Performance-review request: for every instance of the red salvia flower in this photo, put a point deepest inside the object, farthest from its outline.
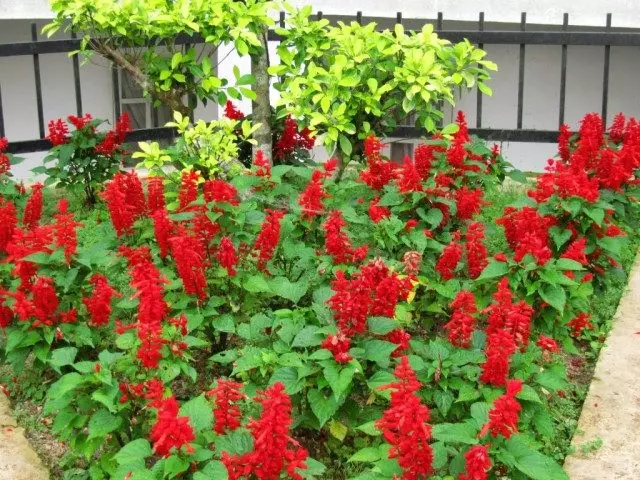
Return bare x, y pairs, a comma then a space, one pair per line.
449, 259
226, 413
477, 463
404, 425
64, 230
44, 302
125, 200
411, 261
80, 122
576, 251
548, 344
58, 132
579, 323
378, 172
423, 158
4, 144
312, 198
6, 314
616, 130
408, 177
122, 127
155, 194
232, 112
33, 208
564, 148
500, 347
274, 451
163, 229
170, 430
476, 251
188, 188
336, 240
152, 308
190, 262
99, 303
462, 322
400, 338
503, 417
8, 223
203, 228
376, 212
339, 346
263, 166
468, 202
226, 255
220, 191
286, 144
267, 240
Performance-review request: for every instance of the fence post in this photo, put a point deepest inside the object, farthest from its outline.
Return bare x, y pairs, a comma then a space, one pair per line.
523, 24
36, 73
478, 92
605, 77
76, 80
563, 73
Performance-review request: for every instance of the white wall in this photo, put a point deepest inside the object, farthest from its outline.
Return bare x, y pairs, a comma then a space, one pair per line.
542, 71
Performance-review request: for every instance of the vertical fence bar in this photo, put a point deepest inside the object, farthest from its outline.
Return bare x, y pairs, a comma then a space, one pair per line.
478, 92
605, 77
523, 25
2, 132
76, 80
563, 73
359, 17
319, 15
36, 73
115, 81
439, 22
399, 18
281, 21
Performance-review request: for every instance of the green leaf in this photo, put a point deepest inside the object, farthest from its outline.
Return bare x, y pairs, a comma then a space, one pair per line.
369, 428
554, 295
367, 454
308, 337
568, 264
134, 453
493, 270
456, 433
284, 288
532, 463
256, 284
382, 325
103, 422
345, 146
323, 407
63, 356
338, 430
339, 378
379, 351
200, 413
214, 469
443, 400
66, 383
529, 394
467, 393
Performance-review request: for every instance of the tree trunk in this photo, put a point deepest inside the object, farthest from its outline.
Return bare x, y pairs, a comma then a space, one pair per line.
262, 104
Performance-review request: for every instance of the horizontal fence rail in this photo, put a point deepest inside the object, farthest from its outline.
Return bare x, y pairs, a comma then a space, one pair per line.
563, 37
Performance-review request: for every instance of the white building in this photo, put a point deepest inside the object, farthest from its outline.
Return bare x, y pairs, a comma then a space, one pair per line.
584, 80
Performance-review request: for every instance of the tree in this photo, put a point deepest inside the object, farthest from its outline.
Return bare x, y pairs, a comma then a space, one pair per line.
153, 41
348, 80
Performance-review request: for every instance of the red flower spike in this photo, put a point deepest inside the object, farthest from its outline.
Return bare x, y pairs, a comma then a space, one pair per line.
163, 229
448, 261
155, 194
339, 346
477, 463
190, 262
99, 303
8, 223
503, 416
226, 255
274, 451
64, 230
188, 189
220, 191
475, 249
548, 344
408, 177
267, 240
462, 323
170, 430
33, 208
58, 132
312, 198
579, 323
377, 213
404, 425
232, 112
500, 347
226, 414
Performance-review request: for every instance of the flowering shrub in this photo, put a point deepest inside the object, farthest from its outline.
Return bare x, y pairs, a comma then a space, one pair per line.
262, 327
84, 158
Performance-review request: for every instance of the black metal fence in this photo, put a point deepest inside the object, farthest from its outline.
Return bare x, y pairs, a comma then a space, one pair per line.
563, 37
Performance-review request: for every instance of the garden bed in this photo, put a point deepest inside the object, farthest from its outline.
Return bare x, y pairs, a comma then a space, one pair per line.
419, 320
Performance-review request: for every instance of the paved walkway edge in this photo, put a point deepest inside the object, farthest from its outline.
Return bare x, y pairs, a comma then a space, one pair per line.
611, 411
18, 461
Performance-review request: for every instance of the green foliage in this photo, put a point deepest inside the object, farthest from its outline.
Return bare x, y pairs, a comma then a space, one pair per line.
349, 80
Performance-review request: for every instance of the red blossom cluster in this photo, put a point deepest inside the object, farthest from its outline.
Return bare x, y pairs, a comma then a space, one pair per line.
527, 232
462, 322
291, 139
505, 315
579, 323
232, 112
155, 194
170, 430
33, 208
477, 463
64, 230
378, 172
475, 250
187, 252
226, 413
267, 240
274, 451
5, 164
404, 425
188, 192
504, 415
227, 256
337, 243
220, 191
152, 308
376, 212
449, 259
312, 197
58, 132
99, 303
114, 139
125, 201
